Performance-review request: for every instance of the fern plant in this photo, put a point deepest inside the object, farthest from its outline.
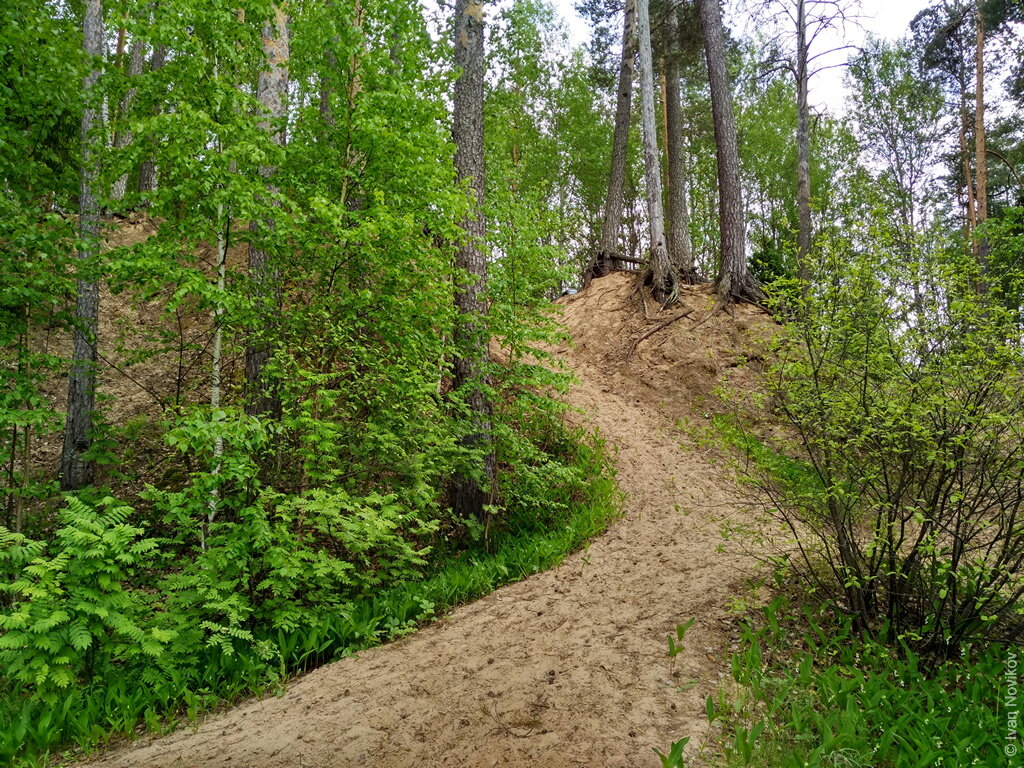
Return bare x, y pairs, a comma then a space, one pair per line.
70, 610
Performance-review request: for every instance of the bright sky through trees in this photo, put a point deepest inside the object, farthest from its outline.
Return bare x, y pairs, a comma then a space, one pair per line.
888, 19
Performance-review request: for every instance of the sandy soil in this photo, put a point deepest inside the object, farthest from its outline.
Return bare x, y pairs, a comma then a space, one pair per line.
135, 390
570, 667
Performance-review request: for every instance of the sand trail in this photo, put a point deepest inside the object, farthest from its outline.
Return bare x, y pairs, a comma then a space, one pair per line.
569, 667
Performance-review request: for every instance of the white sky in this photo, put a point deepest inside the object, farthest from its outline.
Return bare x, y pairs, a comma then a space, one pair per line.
882, 18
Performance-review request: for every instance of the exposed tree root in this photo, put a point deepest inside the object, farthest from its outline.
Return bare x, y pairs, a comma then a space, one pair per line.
640, 294
729, 295
731, 291
690, 276
605, 263
654, 330
599, 266
664, 288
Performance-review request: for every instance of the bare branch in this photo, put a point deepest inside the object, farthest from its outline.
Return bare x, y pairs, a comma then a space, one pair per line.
1009, 166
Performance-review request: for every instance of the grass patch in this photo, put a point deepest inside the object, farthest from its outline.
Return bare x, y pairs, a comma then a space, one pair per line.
811, 693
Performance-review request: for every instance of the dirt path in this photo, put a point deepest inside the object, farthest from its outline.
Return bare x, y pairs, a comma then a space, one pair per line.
567, 668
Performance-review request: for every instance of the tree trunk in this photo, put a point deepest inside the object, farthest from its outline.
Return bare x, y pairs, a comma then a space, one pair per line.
980, 162
805, 231
124, 136
223, 231
965, 156
611, 225
352, 92
75, 471
680, 252
733, 283
472, 488
271, 90
663, 85
326, 91
663, 281
147, 171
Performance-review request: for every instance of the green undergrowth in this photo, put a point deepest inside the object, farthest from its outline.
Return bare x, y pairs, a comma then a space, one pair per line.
36, 729
808, 692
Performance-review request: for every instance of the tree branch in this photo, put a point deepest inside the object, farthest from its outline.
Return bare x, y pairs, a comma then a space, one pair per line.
1009, 166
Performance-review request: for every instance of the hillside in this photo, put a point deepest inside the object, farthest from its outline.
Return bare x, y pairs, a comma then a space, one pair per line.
297, 469
569, 667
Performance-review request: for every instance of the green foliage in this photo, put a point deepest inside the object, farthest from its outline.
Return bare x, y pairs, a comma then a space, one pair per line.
766, 119
1005, 237
260, 602
547, 153
70, 609
675, 644
41, 66
813, 693
899, 475
674, 758
251, 546
896, 112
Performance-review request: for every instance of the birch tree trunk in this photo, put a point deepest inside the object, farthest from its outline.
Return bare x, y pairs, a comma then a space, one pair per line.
805, 226
663, 281
611, 225
733, 283
75, 471
223, 226
680, 251
472, 488
271, 91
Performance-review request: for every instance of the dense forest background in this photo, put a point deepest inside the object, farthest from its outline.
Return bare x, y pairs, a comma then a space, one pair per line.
277, 289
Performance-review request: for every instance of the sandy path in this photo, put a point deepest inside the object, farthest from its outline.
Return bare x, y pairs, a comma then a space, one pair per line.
567, 668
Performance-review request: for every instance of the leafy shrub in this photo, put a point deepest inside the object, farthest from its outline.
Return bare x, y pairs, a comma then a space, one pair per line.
898, 467
266, 560
273, 584
33, 296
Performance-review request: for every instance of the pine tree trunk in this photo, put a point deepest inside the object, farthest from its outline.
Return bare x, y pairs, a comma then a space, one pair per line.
148, 171
965, 156
472, 489
663, 86
75, 471
136, 60
271, 91
733, 282
663, 281
611, 225
805, 230
980, 161
680, 251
